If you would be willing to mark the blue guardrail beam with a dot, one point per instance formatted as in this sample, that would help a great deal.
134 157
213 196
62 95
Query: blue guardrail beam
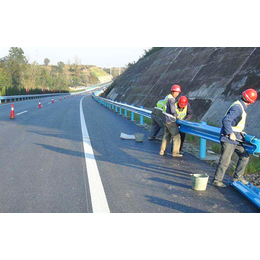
249 191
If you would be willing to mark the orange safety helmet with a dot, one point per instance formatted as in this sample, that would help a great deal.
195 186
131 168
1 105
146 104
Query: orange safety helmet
176 88
250 95
183 102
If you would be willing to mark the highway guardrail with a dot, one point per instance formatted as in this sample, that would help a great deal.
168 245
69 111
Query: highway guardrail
202 130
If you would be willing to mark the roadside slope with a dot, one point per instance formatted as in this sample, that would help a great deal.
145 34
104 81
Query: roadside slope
210 77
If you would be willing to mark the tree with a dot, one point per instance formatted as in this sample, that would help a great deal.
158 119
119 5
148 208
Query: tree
15 63
75 81
5 81
46 61
17 54
61 65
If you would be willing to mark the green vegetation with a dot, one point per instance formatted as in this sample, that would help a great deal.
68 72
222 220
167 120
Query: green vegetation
193 139
216 148
97 72
147 121
253 166
18 77
151 51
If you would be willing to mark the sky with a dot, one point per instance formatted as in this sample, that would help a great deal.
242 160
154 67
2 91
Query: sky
99 56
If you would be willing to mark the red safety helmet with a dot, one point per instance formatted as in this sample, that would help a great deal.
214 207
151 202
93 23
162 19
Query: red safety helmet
176 88
250 95
183 102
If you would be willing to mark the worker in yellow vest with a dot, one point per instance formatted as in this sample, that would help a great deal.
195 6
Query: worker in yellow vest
184 112
231 138
171 131
157 128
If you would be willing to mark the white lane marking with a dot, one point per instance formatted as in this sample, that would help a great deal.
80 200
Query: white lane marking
21 113
97 193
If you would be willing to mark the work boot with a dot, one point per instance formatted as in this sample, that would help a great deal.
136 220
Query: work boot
242 179
177 155
219 184
161 152
150 138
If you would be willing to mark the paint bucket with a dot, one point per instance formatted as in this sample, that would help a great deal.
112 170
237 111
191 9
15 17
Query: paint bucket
199 181
139 137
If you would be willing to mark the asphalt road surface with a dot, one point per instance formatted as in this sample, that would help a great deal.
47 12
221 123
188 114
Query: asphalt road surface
68 157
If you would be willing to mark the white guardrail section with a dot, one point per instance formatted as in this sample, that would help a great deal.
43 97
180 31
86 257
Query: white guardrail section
35 96
118 106
25 97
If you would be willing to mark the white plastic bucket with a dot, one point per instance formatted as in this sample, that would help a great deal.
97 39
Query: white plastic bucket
199 181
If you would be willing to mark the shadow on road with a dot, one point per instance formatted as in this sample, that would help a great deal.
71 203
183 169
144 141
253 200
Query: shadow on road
173 205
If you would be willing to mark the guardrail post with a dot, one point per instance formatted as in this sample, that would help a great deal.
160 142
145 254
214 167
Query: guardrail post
141 118
120 109
125 112
203 145
116 108
132 115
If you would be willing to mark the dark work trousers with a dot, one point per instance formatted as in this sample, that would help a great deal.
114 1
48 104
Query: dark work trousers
227 150
182 139
157 129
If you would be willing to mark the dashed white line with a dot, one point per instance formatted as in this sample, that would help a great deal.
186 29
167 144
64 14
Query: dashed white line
97 193
21 113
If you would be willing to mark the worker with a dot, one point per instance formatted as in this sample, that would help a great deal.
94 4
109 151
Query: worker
231 138
157 129
184 112
171 131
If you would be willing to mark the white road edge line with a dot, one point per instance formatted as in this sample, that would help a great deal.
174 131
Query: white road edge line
21 113
97 193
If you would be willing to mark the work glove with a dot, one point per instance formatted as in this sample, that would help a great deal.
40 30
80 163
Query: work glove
232 137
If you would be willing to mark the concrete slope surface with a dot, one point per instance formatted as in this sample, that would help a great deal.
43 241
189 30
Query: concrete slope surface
43 165
212 79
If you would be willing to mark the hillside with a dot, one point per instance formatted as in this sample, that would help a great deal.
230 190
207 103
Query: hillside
212 78
81 75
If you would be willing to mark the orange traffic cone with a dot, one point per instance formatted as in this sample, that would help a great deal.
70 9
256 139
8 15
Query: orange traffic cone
40 104
52 101
12 115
